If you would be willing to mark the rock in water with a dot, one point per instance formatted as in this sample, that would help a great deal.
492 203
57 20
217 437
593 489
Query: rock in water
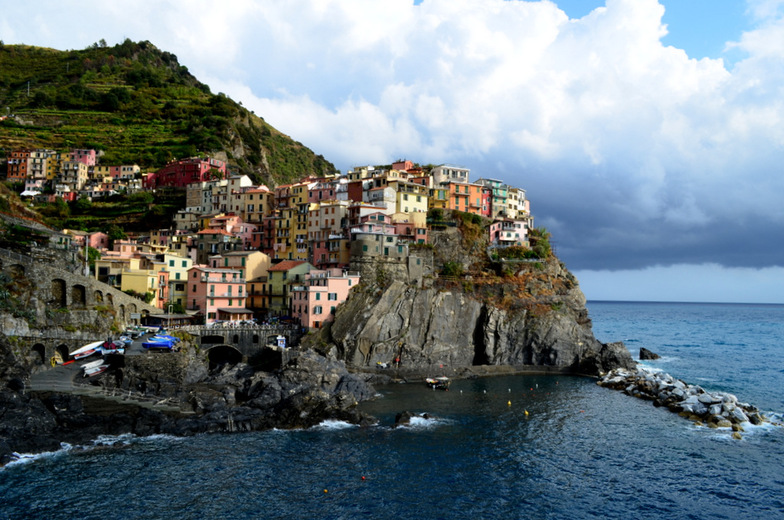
646 354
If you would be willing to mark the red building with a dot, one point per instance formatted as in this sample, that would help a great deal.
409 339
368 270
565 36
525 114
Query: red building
183 172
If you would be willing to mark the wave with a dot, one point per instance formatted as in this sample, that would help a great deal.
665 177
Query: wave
334 424
424 421
28 458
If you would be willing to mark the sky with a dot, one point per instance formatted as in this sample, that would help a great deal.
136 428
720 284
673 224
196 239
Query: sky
647 134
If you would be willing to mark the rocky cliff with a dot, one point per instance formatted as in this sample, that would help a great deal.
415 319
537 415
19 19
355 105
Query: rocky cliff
532 317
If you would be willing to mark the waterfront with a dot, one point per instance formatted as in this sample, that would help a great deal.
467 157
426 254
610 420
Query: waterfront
581 451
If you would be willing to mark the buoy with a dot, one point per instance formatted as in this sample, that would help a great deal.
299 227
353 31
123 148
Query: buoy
363 477
484 391
325 491
509 403
509 390
537 386
526 413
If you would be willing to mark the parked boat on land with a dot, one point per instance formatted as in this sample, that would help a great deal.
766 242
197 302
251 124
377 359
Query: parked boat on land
86 351
95 370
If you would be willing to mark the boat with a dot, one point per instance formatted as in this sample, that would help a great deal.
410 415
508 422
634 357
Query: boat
158 345
86 351
438 383
92 364
94 371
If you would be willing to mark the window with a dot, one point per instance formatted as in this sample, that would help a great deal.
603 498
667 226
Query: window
317 309
171 263
318 296
332 296
194 288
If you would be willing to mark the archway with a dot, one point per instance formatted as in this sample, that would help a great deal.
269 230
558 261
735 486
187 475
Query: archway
61 351
78 296
122 312
58 294
212 339
40 350
223 355
110 299
98 297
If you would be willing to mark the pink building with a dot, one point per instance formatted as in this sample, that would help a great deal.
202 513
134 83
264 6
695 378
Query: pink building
508 232
315 302
86 157
218 294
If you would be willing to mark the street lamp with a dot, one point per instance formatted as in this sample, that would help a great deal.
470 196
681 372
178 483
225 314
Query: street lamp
170 313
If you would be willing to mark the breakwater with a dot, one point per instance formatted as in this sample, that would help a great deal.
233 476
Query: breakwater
712 409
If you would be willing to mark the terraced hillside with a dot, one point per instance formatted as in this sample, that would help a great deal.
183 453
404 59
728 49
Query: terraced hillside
138 105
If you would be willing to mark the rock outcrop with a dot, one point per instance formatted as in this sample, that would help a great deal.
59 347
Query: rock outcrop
647 355
472 324
174 394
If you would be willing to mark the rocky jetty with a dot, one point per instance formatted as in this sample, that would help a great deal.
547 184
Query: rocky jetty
714 409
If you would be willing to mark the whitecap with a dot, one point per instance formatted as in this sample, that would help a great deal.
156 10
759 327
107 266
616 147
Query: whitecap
333 424
27 458
424 421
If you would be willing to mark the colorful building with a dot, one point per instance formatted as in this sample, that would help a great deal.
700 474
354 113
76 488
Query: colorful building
217 294
314 302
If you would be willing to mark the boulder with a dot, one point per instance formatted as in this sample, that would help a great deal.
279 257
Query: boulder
646 354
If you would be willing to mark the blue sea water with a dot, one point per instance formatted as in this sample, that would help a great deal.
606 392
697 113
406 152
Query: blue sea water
504 447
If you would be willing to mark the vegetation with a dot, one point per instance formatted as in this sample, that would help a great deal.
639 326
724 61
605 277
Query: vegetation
138 105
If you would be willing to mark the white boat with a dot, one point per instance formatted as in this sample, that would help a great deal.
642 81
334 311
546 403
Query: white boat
85 351
94 371
92 364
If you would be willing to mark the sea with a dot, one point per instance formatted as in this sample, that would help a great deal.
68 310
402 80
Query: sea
520 447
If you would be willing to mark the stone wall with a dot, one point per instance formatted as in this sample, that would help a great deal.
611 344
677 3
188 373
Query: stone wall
50 291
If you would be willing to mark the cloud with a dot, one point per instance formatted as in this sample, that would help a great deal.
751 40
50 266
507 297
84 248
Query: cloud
632 153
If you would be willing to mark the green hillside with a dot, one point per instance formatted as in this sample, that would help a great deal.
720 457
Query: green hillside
138 105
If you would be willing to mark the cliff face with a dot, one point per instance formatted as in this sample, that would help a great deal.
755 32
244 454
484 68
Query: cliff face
534 318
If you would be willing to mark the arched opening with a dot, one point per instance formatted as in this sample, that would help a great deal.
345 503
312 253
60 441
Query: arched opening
223 355
78 296
16 270
213 339
235 339
61 352
40 350
255 339
58 294
122 312
98 297
110 299
132 308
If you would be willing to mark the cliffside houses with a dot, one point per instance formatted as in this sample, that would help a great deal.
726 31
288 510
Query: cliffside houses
238 250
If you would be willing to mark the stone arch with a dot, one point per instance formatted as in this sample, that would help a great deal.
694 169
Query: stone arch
132 308
235 339
58 298
255 339
122 312
78 296
61 351
110 299
212 339
221 355
40 350
98 297
16 270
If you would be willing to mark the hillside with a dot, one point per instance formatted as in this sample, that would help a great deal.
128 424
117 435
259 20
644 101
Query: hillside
138 105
